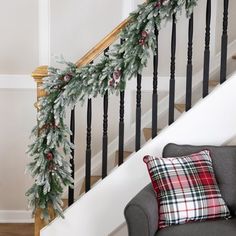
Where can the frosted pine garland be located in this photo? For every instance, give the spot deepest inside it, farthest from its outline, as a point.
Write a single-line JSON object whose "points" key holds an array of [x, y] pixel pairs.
{"points": [[49, 167]]}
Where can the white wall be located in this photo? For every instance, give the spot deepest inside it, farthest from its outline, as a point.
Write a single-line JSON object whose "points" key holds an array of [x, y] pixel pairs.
{"points": [[76, 26], [19, 36]]}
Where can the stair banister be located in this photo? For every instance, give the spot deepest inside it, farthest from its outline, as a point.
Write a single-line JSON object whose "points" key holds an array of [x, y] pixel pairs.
{"points": [[189, 70], [206, 68], [42, 72], [72, 162], [172, 72], [224, 43]]}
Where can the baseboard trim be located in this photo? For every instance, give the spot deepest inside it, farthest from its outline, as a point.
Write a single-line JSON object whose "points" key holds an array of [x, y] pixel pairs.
{"points": [[12, 216]]}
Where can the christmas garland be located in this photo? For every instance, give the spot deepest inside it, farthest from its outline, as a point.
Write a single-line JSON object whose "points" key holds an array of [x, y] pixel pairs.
{"points": [[65, 87]]}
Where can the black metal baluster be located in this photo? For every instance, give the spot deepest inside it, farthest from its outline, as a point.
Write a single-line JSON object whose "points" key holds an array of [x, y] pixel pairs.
{"points": [[121, 125], [105, 135], [121, 128], [172, 73], [224, 43], [138, 113], [155, 84], [206, 69], [72, 140], [105, 129], [88, 147], [189, 73]]}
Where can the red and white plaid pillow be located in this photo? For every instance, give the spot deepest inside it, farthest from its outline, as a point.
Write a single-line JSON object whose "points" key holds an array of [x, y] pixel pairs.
{"points": [[186, 189]]}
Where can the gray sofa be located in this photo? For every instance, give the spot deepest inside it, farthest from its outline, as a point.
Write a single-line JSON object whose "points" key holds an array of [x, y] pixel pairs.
{"points": [[141, 212]]}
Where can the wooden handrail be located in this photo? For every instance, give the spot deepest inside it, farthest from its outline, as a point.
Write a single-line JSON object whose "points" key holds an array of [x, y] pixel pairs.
{"points": [[103, 44], [42, 71]]}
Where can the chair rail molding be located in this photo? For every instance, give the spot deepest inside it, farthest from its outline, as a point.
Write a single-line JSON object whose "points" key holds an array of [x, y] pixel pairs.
{"points": [[14, 216], [12, 81]]}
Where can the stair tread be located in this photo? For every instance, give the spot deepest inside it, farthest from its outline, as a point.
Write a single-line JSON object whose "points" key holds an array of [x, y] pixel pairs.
{"points": [[94, 179], [126, 155], [65, 203], [180, 107], [213, 83], [148, 133]]}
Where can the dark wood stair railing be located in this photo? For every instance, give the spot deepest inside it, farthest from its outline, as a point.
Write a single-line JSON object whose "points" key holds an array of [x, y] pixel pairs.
{"points": [[105, 130], [172, 73], [121, 129], [138, 113], [224, 43], [88, 154], [121, 154], [206, 66], [105, 135], [155, 92], [189, 73], [72, 160]]}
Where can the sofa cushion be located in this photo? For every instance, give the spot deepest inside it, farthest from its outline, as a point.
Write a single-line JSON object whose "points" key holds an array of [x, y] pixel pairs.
{"points": [[224, 164], [206, 228], [186, 188]]}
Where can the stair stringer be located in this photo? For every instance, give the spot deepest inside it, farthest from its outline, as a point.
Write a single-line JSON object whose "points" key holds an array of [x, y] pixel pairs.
{"points": [[211, 121]]}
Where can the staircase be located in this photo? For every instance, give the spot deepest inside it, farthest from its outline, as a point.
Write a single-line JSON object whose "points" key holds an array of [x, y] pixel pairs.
{"points": [[147, 133], [103, 196]]}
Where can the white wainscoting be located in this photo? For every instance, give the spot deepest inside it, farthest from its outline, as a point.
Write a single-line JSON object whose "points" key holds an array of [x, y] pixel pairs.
{"points": [[17, 82], [16, 217]]}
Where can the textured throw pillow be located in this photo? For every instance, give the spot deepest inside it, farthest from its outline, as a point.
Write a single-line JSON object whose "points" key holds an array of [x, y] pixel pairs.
{"points": [[224, 165], [186, 189]]}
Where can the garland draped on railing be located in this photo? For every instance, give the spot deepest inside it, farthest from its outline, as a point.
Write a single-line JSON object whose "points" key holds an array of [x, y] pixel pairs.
{"points": [[49, 167]]}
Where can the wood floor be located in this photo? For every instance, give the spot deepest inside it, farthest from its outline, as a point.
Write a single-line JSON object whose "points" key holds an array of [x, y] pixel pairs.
{"points": [[16, 229]]}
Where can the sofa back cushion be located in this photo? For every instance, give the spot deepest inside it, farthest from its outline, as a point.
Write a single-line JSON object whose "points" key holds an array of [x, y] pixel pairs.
{"points": [[224, 164]]}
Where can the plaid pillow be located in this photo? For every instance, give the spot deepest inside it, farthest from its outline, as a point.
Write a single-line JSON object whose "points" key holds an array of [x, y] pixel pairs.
{"points": [[186, 189]]}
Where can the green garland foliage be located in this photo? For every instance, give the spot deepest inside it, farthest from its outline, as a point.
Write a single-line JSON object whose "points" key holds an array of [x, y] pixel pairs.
{"points": [[49, 167]]}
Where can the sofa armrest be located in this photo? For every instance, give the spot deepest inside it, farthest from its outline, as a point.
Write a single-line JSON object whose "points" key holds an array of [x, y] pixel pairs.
{"points": [[141, 213]]}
